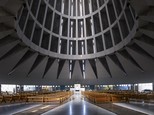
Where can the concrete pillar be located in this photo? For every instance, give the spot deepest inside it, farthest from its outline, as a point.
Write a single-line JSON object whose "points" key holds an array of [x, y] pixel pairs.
{"points": [[0, 88], [132, 87], [135, 87], [38, 87], [92, 87], [62, 87], [21, 88]]}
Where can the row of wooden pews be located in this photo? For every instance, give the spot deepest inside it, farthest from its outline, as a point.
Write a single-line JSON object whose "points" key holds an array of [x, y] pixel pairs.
{"points": [[35, 97], [54, 97], [117, 96], [97, 97], [134, 95]]}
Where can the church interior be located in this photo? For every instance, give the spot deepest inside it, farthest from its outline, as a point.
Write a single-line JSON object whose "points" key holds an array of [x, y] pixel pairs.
{"points": [[77, 57]]}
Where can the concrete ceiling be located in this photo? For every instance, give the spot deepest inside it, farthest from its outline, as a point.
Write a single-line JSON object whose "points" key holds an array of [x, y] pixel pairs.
{"points": [[19, 64]]}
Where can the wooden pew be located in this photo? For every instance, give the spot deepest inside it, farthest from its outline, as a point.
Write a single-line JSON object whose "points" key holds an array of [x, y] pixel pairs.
{"points": [[57, 97], [97, 97], [36, 97], [118, 96]]}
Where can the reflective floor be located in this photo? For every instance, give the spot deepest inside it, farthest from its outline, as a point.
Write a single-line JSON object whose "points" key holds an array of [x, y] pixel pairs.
{"points": [[78, 107], [15, 108], [140, 107]]}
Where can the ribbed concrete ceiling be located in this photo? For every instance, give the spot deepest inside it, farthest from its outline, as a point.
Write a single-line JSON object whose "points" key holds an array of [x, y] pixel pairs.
{"points": [[76, 41], [76, 29]]}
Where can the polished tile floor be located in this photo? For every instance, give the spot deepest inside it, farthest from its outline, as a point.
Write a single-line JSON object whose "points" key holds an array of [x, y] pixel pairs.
{"points": [[78, 107], [15, 108], [140, 107]]}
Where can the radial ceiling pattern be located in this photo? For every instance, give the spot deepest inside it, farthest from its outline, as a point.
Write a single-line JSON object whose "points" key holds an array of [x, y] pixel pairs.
{"points": [[76, 29], [76, 41]]}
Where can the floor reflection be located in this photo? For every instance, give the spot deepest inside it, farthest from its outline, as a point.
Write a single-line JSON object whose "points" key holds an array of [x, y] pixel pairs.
{"points": [[77, 106], [14, 108]]}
